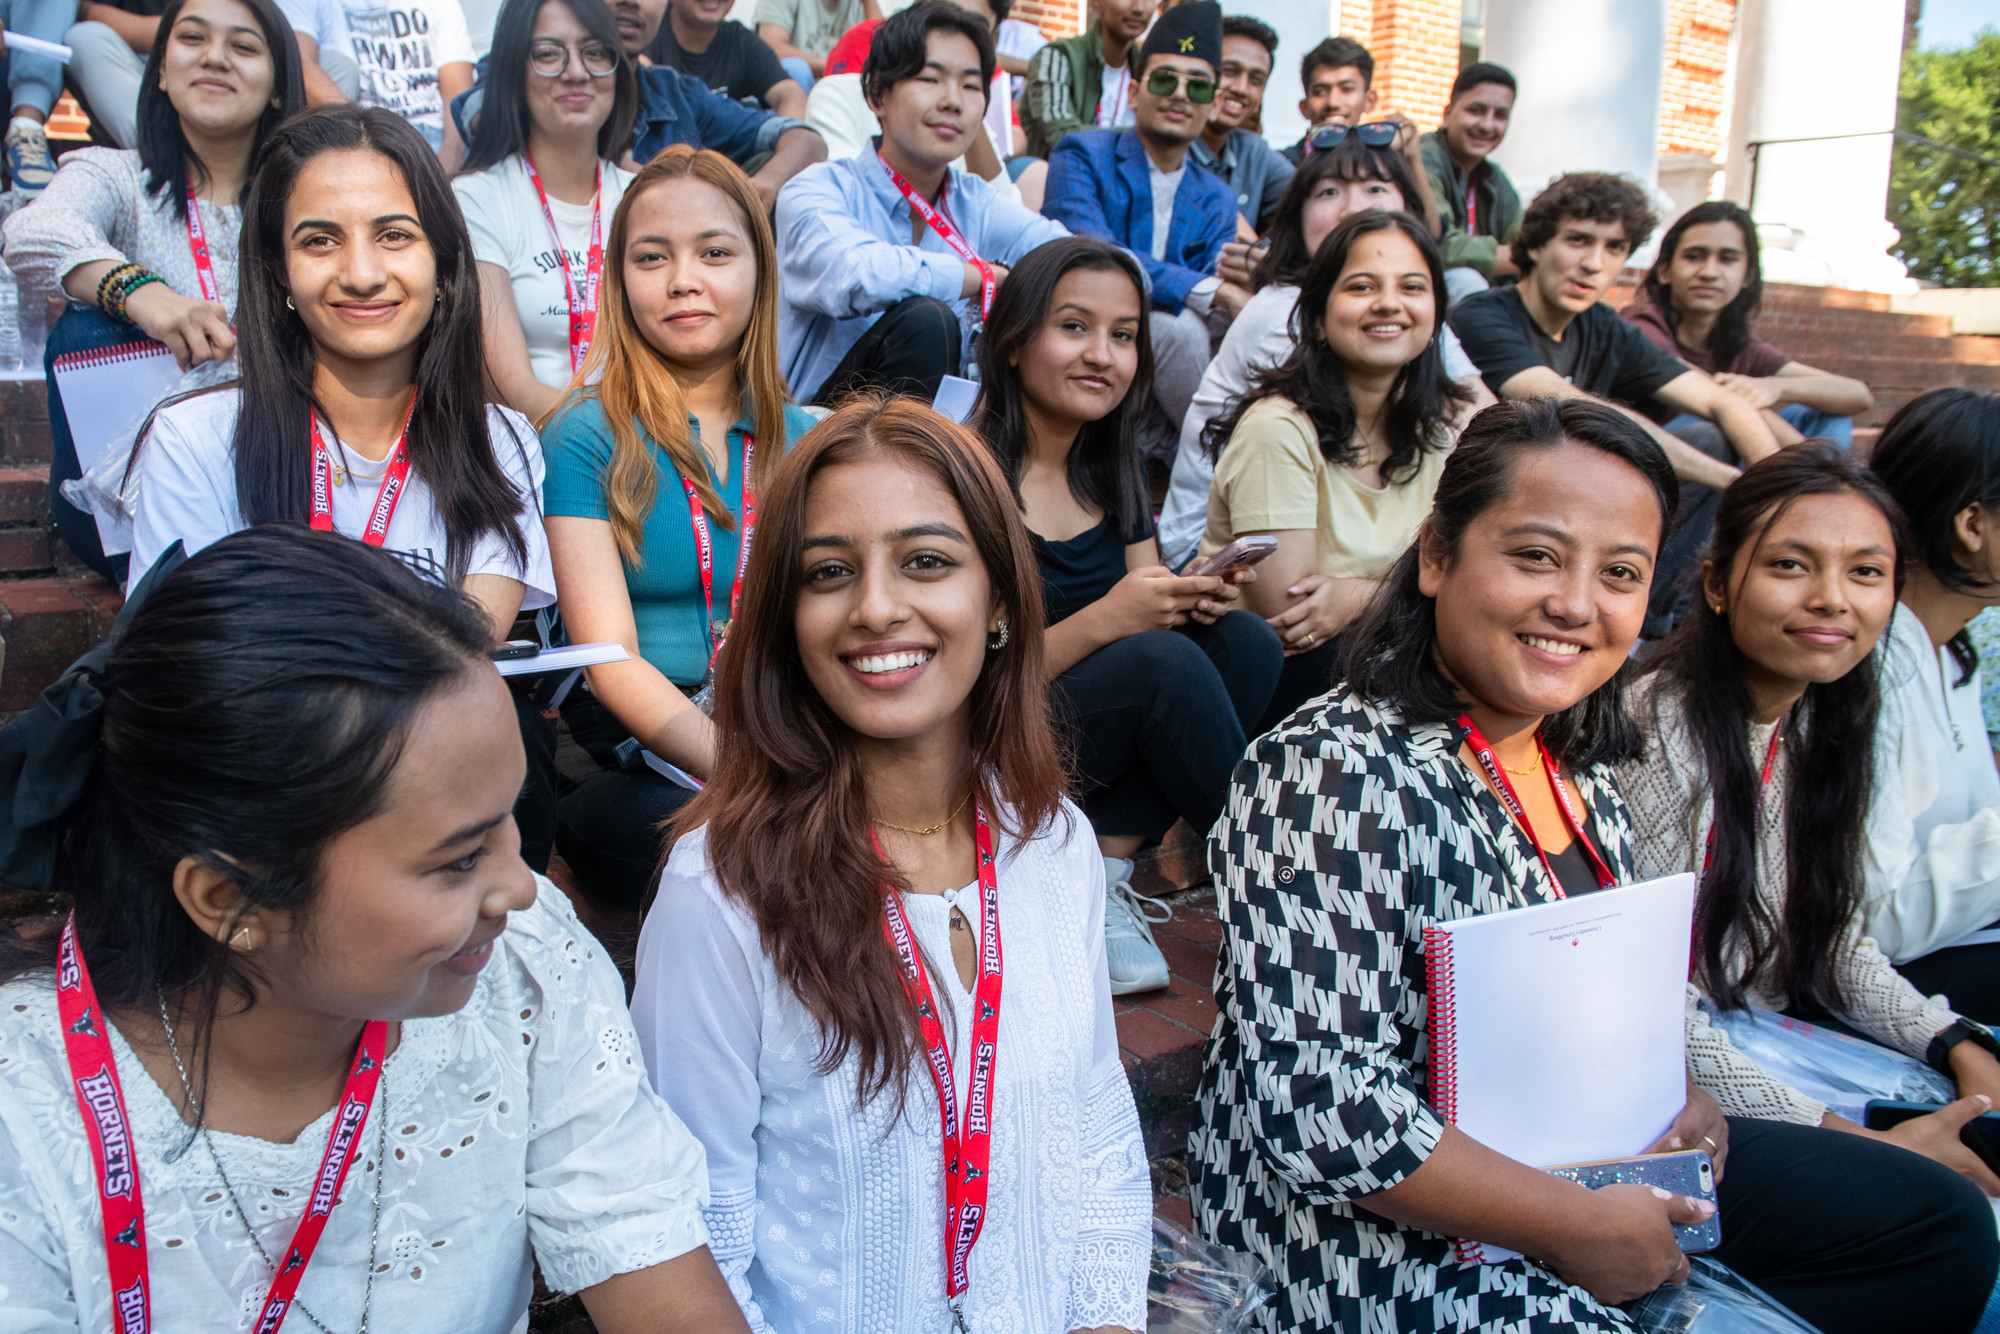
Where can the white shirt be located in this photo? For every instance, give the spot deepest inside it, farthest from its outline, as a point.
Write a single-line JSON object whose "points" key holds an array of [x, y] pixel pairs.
{"points": [[187, 491], [1259, 338], [505, 219], [1114, 98], [398, 45], [825, 1215], [1165, 185], [1934, 829], [522, 1121]]}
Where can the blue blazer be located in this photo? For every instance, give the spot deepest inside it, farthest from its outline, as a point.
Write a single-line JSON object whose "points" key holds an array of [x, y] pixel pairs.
{"points": [[1100, 184]]}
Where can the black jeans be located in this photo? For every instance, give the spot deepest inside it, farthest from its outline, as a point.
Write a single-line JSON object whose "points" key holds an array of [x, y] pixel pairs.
{"points": [[608, 827], [1966, 975], [535, 808], [1856, 1236], [909, 350], [1158, 721]]}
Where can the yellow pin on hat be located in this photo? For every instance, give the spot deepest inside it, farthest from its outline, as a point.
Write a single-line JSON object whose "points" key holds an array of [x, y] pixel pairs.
{"points": [[1187, 45]]}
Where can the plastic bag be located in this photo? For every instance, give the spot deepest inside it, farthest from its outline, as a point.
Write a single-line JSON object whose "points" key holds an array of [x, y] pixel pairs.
{"points": [[1197, 1288], [108, 491], [1714, 1301], [1841, 1071]]}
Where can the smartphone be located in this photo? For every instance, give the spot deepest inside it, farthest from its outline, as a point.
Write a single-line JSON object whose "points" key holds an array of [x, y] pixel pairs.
{"points": [[1981, 1134], [516, 648], [1238, 555], [1689, 1173]]}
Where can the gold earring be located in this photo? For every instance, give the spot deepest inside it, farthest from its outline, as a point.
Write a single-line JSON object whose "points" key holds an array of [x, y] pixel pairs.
{"points": [[243, 940]]}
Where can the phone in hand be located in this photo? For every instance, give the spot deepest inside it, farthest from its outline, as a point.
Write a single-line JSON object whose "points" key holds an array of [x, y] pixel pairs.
{"points": [[1690, 1173], [1981, 1134], [1238, 555]]}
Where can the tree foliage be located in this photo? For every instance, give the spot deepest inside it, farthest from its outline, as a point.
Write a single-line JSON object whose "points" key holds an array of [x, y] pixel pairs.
{"points": [[1946, 204]]}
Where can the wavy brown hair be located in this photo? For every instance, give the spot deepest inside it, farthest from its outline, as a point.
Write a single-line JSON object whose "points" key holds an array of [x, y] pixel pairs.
{"points": [[628, 376], [786, 802]]}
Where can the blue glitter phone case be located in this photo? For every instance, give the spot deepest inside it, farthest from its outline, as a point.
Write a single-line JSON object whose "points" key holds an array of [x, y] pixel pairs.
{"points": [[1690, 1174]]}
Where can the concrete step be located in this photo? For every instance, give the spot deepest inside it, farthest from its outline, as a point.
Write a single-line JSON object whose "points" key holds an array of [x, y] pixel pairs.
{"points": [[46, 624]]}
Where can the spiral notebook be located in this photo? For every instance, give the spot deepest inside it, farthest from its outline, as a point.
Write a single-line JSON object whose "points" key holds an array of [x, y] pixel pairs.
{"points": [[1557, 1032], [107, 393]]}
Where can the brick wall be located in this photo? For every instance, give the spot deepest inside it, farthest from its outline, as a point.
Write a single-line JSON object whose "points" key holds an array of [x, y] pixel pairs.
{"points": [[1415, 45], [1056, 18], [1691, 84]]}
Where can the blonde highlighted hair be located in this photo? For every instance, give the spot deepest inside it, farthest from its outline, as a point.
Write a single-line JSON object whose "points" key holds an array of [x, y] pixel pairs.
{"points": [[628, 376]]}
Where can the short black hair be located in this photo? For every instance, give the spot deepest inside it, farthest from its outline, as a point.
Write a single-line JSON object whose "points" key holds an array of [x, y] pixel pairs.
{"points": [[1258, 31], [1337, 53], [1589, 196], [1484, 71], [899, 48]]}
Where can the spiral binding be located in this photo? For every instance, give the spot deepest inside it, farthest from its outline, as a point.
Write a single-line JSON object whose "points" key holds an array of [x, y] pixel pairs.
{"points": [[1443, 1022], [137, 350]]}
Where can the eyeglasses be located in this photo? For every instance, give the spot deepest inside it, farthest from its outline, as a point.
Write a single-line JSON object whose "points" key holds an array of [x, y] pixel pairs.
{"points": [[551, 59], [1167, 82], [1375, 134]]}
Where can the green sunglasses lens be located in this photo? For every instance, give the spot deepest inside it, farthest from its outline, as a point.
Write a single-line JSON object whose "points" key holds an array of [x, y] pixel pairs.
{"points": [[1167, 82], [1201, 90]]}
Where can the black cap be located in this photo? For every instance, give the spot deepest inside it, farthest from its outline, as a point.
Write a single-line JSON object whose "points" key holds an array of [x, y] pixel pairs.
{"points": [[1187, 30]]}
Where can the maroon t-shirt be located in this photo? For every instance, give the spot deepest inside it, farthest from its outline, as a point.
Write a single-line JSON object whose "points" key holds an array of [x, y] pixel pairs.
{"points": [[1759, 358]]}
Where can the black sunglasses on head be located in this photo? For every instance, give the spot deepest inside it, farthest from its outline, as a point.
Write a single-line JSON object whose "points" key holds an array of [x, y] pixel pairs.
{"points": [[1375, 134], [1166, 82]]}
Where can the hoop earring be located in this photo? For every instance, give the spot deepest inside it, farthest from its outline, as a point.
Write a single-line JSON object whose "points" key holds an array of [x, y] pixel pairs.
{"points": [[999, 640], [288, 302]]}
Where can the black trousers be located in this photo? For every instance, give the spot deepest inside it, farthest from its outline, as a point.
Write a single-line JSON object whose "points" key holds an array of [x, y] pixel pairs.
{"points": [[1966, 975], [1857, 1236], [608, 827], [1158, 721], [535, 808], [1304, 675], [909, 350]]}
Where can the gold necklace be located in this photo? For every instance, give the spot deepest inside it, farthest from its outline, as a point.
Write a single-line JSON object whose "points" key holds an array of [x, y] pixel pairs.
{"points": [[1523, 773], [932, 829]]}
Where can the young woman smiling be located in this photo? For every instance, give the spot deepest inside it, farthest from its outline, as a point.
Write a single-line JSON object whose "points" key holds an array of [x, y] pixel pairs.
{"points": [[1336, 451], [1155, 677], [147, 237], [655, 463], [1506, 623], [820, 981], [279, 802], [1348, 178], [1773, 676], [539, 186]]}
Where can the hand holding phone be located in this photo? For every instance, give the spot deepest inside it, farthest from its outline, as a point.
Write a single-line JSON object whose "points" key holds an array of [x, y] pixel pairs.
{"points": [[1241, 554], [1962, 1135]]}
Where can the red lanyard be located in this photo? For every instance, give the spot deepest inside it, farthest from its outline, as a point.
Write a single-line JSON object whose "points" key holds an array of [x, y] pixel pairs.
{"points": [[705, 548], [1471, 206], [583, 313], [1770, 762], [94, 1070], [968, 1151], [935, 219], [204, 268], [1482, 750], [394, 478]]}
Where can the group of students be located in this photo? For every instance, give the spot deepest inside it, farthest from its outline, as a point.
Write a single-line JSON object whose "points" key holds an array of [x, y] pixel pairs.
{"points": [[931, 679]]}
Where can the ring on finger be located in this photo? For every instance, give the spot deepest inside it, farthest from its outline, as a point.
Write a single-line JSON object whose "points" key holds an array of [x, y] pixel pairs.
{"points": [[1307, 642]]}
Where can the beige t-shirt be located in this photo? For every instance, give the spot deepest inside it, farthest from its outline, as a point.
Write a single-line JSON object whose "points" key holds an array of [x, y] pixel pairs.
{"points": [[814, 24], [1272, 477]]}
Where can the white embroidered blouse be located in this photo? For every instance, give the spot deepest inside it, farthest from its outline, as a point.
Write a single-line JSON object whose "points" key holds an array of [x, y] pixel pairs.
{"points": [[830, 1216], [522, 1123]]}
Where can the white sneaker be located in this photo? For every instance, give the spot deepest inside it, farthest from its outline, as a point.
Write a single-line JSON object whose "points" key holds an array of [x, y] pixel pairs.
{"points": [[1136, 963], [29, 164]]}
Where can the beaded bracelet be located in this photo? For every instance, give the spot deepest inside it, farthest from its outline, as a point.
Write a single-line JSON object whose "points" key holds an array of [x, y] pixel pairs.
{"points": [[125, 285], [104, 284]]}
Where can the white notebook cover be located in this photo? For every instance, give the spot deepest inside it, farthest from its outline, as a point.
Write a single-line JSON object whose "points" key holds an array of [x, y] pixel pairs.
{"points": [[1558, 1031]]}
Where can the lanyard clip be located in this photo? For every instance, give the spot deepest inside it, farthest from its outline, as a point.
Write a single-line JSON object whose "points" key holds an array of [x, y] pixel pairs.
{"points": [[958, 1325]]}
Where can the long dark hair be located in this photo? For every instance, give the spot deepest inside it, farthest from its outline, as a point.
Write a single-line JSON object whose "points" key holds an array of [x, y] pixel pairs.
{"points": [[502, 131], [171, 165], [1104, 467], [1939, 454], [254, 709], [1389, 655], [1831, 735], [786, 798], [448, 439], [1420, 401], [1732, 324], [1349, 160]]}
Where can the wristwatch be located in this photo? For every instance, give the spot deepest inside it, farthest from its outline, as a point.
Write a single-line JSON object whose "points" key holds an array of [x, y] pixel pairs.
{"points": [[1938, 1054]]}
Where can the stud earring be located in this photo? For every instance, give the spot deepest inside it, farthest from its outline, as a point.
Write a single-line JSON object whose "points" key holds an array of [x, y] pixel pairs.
{"points": [[243, 940], [998, 640]]}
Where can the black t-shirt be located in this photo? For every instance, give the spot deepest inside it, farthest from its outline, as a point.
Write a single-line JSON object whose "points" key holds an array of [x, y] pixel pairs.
{"points": [[1574, 870], [1599, 353], [737, 64], [1079, 571]]}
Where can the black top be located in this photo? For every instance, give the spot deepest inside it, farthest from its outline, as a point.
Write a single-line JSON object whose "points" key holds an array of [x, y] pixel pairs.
{"points": [[737, 64], [1079, 571], [1574, 871], [1599, 353]]}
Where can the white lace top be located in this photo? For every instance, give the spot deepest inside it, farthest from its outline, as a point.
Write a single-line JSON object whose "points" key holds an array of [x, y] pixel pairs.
{"points": [[1672, 808], [829, 1216], [524, 1120]]}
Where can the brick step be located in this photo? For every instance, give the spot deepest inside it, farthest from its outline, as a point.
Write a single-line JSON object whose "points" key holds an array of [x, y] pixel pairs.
{"points": [[24, 422], [1160, 1033], [28, 544], [46, 624]]}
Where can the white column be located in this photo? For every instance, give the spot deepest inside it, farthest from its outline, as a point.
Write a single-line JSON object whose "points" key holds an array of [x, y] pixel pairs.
{"points": [[1807, 69], [1589, 73]]}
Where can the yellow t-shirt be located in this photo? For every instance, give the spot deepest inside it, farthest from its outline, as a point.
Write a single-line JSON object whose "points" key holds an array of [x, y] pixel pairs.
{"points": [[1272, 477]]}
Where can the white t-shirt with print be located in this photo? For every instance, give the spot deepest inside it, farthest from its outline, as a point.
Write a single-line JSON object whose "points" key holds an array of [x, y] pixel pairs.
{"points": [[398, 45], [1114, 99], [187, 493], [505, 218]]}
